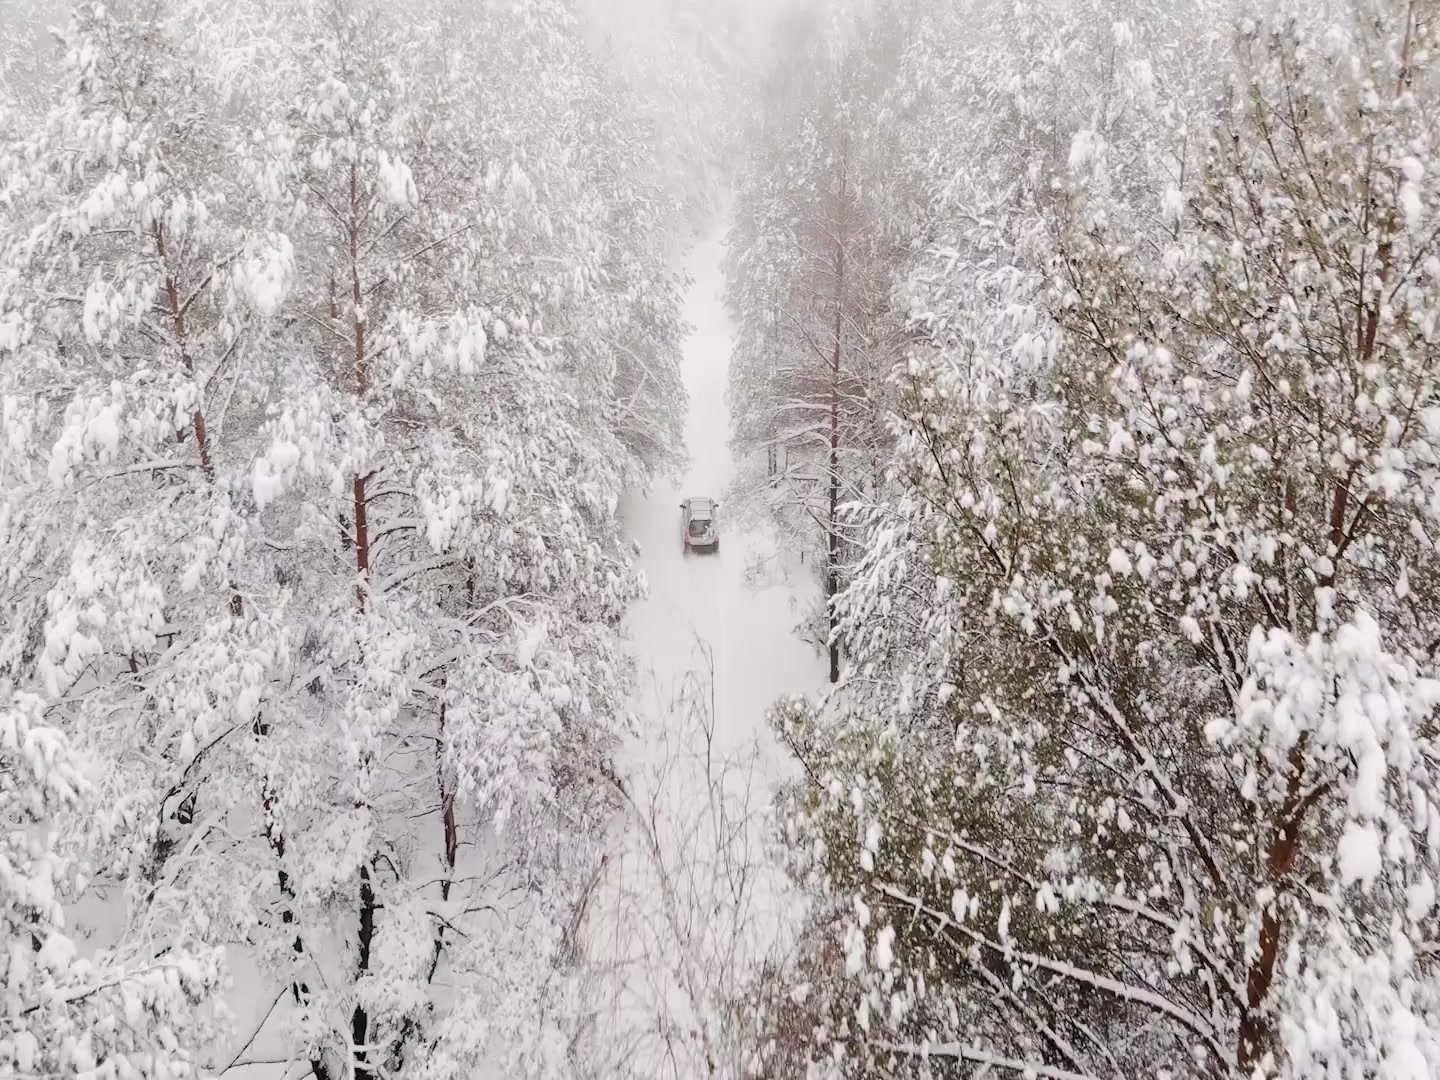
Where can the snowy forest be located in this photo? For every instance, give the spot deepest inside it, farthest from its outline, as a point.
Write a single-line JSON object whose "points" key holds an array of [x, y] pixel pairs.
{"points": [[1061, 698]]}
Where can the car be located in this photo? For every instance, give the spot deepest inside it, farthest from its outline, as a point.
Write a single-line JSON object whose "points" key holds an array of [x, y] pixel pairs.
{"points": [[698, 530]]}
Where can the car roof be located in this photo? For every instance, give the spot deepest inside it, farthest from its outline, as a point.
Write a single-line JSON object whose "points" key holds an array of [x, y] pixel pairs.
{"points": [[698, 504]]}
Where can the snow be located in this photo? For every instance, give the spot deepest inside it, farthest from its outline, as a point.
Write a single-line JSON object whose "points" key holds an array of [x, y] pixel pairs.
{"points": [[704, 598], [103, 433], [528, 643], [396, 182], [265, 272], [1120, 562], [1413, 205], [885, 948], [1359, 854], [713, 654], [1172, 205], [1083, 149], [268, 478], [10, 328], [466, 348]]}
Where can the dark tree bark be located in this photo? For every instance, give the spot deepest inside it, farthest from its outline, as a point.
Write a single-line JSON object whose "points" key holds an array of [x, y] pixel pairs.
{"points": [[832, 562]]}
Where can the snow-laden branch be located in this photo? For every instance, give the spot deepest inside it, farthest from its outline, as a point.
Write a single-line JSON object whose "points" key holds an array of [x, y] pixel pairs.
{"points": [[961, 1052], [1126, 992]]}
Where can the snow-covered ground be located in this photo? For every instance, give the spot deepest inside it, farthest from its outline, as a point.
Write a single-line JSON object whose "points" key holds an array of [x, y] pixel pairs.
{"points": [[692, 899]]}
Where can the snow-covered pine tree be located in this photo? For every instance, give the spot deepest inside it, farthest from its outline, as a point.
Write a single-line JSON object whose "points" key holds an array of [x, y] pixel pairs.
{"points": [[28, 61], [309, 506], [70, 1010], [808, 281], [452, 407], [1171, 796], [130, 293], [987, 102]]}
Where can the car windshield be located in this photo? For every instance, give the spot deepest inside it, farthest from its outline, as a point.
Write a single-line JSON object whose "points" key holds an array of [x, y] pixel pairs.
{"points": [[698, 526]]}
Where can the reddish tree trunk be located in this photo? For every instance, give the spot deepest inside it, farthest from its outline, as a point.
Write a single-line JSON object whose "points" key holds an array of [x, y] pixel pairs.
{"points": [[177, 318], [362, 542], [1256, 1029]]}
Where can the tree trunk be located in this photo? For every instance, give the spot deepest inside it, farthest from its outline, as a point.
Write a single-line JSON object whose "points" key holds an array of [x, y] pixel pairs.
{"points": [[177, 318], [357, 316], [832, 561], [362, 543], [1257, 1032], [359, 1020], [452, 838], [182, 341], [832, 570], [299, 991], [273, 836]]}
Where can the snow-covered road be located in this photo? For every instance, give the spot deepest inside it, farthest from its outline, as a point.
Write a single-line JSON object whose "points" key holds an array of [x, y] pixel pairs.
{"points": [[755, 653], [692, 900]]}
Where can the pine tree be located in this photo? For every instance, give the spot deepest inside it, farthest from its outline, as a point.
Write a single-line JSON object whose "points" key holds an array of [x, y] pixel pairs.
{"points": [[808, 282], [327, 351], [1155, 789]]}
